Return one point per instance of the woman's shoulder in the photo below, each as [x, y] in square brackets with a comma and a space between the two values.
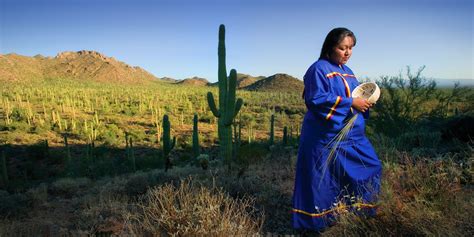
[321, 65]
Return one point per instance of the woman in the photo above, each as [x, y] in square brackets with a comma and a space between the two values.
[348, 180]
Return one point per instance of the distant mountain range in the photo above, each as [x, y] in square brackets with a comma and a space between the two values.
[81, 65]
[93, 66]
[450, 82]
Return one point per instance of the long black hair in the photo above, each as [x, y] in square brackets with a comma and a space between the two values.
[334, 37]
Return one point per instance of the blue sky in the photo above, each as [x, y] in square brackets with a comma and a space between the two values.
[178, 38]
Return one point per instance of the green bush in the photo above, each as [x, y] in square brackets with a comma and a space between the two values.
[112, 135]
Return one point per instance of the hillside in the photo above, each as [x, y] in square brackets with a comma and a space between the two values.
[243, 80]
[194, 81]
[14, 67]
[80, 65]
[277, 83]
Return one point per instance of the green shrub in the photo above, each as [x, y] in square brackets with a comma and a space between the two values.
[112, 135]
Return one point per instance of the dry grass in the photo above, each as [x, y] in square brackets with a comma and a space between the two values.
[422, 198]
[188, 210]
[419, 198]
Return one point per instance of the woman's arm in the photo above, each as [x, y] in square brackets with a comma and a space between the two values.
[321, 102]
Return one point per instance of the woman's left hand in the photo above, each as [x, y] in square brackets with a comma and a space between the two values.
[361, 104]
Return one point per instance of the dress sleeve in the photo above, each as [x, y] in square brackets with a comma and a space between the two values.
[321, 101]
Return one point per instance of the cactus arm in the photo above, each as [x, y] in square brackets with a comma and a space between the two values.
[173, 143]
[230, 103]
[212, 104]
[238, 105]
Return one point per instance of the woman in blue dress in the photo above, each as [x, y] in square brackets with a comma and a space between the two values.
[348, 180]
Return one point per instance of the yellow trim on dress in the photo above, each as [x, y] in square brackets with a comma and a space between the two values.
[338, 100]
[333, 74]
[337, 208]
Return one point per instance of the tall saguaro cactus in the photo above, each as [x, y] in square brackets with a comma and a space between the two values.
[168, 144]
[196, 148]
[272, 130]
[228, 105]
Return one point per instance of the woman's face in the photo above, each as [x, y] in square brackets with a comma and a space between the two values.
[343, 51]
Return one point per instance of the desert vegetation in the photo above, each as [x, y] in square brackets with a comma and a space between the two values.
[82, 157]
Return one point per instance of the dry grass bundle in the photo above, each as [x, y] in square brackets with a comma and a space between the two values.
[333, 145]
[188, 210]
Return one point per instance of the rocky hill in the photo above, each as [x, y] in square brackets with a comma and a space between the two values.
[194, 81]
[243, 80]
[277, 83]
[81, 65]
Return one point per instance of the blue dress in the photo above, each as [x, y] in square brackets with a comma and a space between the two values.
[349, 180]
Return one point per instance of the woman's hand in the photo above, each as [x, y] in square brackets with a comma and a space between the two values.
[361, 104]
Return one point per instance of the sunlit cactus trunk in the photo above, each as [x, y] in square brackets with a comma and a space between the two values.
[228, 105]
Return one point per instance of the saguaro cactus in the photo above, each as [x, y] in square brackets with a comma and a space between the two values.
[272, 130]
[228, 105]
[68, 151]
[237, 135]
[285, 135]
[196, 149]
[168, 144]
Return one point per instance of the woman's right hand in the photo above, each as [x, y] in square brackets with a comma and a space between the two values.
[361, 104]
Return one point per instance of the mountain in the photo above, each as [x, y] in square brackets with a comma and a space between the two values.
[169, 79]
[14, 67]
[243, 80]
[194, 81]
[80, 65]
[277, 83]
[449, 83]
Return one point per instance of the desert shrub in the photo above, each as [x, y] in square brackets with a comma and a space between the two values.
[190, 210]
[137, 184]
[405, 101]
[459, 127]
[12, 204]
[417, 139]
[38, 195]
[203, 161]
[251, 153]
[18, 114]
[137, 135]
[129, 110]
[206, 118]
[112, 135]
[103, 216]
[453, 101]
[68, 187]
[15, 126]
